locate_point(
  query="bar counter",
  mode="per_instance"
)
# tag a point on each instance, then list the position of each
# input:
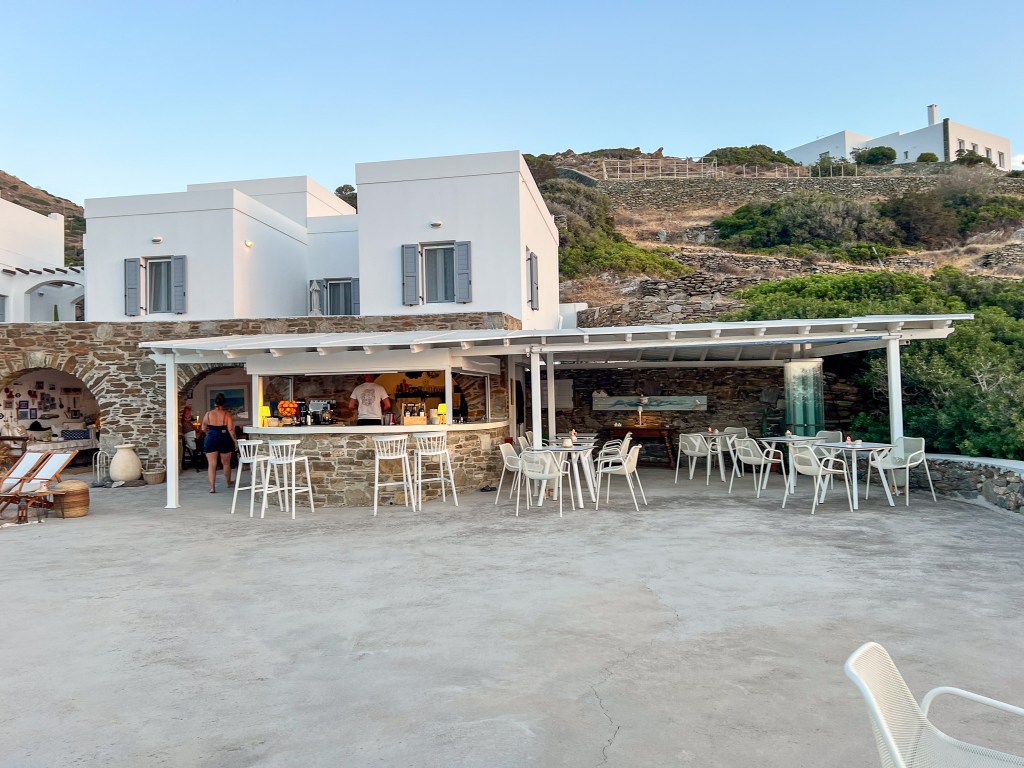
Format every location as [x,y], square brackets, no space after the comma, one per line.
[341,459]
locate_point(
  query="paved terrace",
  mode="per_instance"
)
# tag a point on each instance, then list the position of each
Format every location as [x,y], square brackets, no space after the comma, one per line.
[707,630]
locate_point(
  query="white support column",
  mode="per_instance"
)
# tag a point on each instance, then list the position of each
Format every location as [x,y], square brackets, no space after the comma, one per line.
[892,359]
[487,397]
[535,397]
[449,391]
[173,439]
[549,364]
[257,400]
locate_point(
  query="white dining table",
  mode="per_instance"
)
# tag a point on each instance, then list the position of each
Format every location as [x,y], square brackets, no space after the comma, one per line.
[854,449]
[579,454]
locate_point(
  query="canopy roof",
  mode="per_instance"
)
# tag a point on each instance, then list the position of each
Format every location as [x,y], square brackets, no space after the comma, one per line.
[718,343]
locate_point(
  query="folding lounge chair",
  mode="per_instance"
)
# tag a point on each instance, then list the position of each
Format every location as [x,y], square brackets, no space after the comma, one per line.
[17,475]
[47,471]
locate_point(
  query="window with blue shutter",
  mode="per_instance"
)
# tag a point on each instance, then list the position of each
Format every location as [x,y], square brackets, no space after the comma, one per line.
[3,309]
[534,277]
[463,274]
[178,291]
[132,280]
[355,296]
[317,297]
[410,275]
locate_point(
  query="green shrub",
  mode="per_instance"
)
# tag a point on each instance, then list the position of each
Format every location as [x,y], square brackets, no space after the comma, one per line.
[970,158]
[541,167]
[755,154]
[588,241]
[874,156]
[927,157]
[1016,174]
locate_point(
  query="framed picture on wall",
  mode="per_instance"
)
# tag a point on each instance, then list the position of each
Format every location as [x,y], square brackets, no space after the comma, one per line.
[39,385]
[33,413]
[23,405]
[235,398]
[23,414]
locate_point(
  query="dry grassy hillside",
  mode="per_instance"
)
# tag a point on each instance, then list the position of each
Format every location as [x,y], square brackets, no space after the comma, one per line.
[17,191]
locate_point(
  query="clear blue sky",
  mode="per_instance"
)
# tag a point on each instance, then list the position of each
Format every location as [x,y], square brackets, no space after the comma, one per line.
[116,98]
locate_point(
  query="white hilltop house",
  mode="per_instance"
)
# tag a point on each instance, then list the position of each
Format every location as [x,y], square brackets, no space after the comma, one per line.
[468,233]
[35,286]
[942,137]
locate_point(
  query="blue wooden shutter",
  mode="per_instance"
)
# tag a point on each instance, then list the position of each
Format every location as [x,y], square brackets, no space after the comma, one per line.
[178,291]
[132,273]
[463,274]
[3,309]
[534,275]
[410,275]
[355,295]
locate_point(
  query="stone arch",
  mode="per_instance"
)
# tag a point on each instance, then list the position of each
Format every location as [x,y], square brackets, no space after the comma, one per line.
[191,374]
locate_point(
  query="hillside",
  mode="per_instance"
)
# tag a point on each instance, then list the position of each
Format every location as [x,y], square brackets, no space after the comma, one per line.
[17,191]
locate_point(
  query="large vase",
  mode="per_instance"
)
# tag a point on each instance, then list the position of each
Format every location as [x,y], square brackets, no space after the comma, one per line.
[125,465]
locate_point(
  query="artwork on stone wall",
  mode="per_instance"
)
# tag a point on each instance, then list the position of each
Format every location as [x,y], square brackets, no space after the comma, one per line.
[651,403]
[234,398]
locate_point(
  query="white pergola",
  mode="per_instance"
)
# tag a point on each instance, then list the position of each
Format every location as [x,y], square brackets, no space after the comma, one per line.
[759,343]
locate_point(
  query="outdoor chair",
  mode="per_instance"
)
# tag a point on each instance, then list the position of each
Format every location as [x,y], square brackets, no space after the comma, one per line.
[828,436]
[21,470]
[618,466]
[907,453]
[510,463]
[249,457]
[734,434]
[807,462]
[393,448]
[428,446]
[695,447]
[904,735]
[524,443]
[618,448]
[36,480]
[760,459]
[540,466]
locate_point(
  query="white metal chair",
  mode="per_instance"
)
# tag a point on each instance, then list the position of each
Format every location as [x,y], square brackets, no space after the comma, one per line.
[618,447]
[904,735]
[807,462]
[430,445]
[749,451]
[392,448]
[510,463]
[541,467]
[283,459]
[733,434]
[906,453]
[529,436]
[827,436]
[695,446]
[249,456]
[625,467]
[524,444]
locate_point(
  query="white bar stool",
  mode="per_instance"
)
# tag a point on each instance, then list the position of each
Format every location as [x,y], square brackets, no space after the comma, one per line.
[248,456]
[282,454]
[430,444]
[392,448]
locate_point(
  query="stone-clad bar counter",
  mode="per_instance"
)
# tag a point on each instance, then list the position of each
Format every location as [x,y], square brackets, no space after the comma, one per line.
[341,459]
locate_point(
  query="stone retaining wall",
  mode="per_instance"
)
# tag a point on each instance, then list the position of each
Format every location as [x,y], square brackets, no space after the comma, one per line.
[695,193]
[1001,486]
[129,387]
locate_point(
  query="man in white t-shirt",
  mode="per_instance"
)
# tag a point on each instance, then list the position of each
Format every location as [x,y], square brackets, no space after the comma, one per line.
[371,400]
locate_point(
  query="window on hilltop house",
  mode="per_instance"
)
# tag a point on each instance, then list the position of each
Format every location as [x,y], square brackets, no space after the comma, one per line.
[534,280]
[1002,160]
[154,285]
[988,152]
[906,155]
[974,148]
[961,145]
[436,273]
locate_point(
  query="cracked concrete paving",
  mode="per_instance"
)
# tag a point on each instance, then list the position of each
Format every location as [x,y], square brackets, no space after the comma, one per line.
[706,630]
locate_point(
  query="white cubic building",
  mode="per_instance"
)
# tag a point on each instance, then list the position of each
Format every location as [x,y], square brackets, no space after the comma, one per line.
[35,286]
[468,233]
[942,137]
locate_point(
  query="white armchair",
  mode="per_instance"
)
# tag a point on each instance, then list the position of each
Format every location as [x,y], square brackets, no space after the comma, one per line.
[904,735]
[694,447]
[620,466]
[510,463]
[807,462]
[748,451]
[543,467]
[906,453]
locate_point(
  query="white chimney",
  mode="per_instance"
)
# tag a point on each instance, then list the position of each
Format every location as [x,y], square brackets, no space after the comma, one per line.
[933,114]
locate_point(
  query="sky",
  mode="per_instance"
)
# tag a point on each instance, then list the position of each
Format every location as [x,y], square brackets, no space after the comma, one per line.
[122,98]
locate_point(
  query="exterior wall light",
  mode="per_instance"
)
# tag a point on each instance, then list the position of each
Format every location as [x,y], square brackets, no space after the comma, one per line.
[436,224]
[248,243]
[157,239]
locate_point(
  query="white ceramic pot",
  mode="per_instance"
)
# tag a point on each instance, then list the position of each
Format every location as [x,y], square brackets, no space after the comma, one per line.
[125,465]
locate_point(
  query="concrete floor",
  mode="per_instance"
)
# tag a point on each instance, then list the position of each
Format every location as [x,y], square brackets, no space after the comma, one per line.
[707,630]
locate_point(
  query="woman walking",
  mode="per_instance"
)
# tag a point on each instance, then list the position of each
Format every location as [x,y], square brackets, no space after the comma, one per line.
[220,441]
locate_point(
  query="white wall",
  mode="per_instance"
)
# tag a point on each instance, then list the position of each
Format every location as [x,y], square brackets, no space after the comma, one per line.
[983,140]
[41,299]
[225,279]
[297,197]
[476,197]
[28,239]
[909,145]
[537,233]
[333,247]
[838,145]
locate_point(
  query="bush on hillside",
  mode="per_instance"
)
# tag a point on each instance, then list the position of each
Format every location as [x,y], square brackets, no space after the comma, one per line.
[874,156]
[588,241]
[541,167]
[755,154]
[807,218]
[830,166]
[964,394]
[927,157]
[347,193]
[970,158]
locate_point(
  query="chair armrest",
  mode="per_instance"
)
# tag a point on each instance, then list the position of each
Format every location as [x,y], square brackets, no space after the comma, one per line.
[935,692]
[829,462]
[773,454]
[914,458]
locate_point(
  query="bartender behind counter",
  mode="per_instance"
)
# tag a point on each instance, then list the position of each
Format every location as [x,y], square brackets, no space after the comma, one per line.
[369,397]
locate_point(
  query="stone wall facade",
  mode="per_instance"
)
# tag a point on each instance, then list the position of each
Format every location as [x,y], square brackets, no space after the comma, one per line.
[129,387]
[696,193]
[1000,486]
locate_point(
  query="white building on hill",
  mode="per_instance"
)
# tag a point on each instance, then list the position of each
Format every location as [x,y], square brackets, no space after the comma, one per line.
[35,286]
[468,233]
[941,137]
